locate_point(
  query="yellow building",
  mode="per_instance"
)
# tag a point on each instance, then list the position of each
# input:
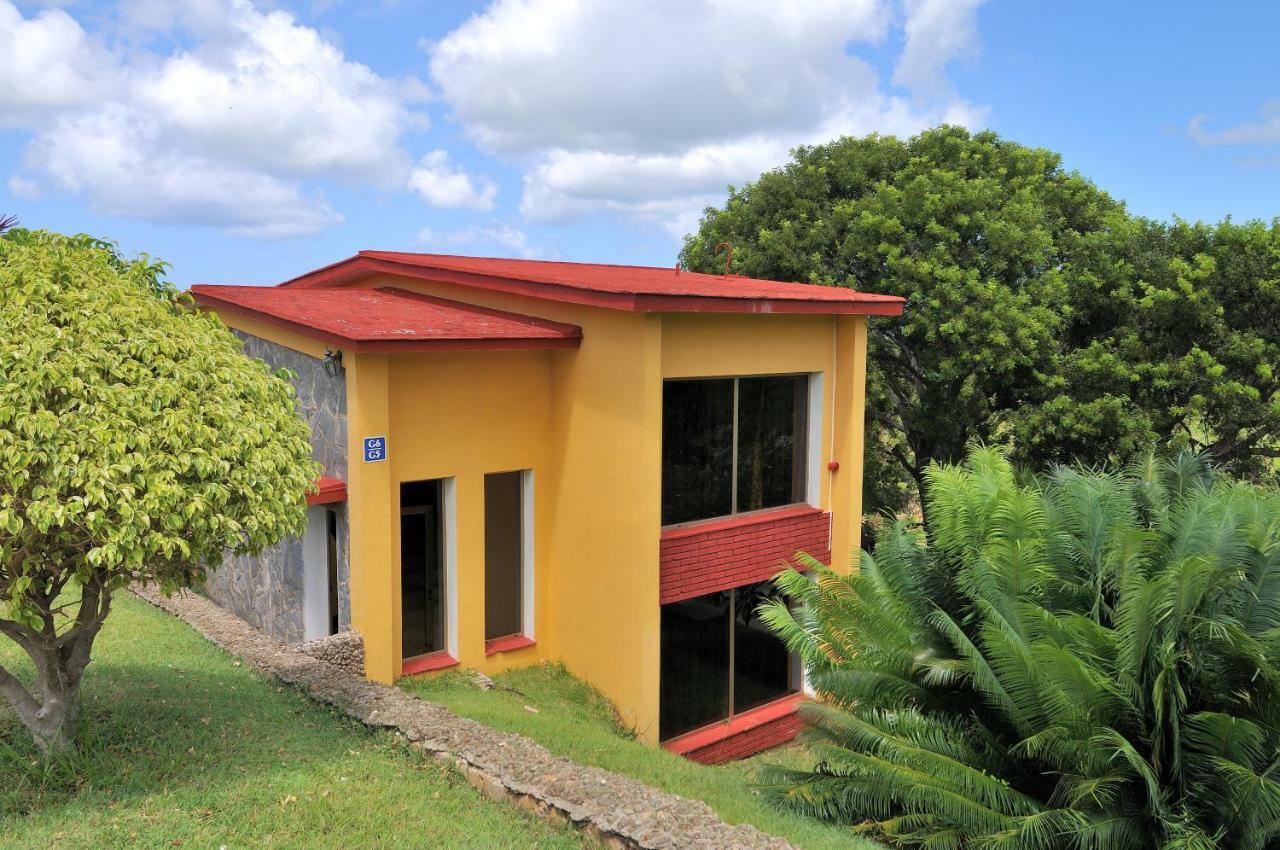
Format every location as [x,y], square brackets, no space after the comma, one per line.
[596,465]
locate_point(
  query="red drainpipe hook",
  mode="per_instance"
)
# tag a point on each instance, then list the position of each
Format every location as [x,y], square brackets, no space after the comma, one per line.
[728,259]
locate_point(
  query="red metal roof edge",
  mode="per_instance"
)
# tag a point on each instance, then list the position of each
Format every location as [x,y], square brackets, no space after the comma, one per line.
[367,263]
[206,295]
[328,491]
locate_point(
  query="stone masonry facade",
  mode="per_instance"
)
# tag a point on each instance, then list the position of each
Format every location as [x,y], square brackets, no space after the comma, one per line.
[266,590]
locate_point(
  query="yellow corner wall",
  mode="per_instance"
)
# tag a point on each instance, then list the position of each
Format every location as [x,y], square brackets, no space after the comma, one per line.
[711,344]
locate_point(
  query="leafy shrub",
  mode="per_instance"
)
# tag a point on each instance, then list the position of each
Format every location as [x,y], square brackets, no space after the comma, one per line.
[1085,660]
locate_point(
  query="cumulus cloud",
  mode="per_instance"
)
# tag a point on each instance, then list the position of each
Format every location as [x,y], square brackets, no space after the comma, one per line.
[441,185]
[1264,130]
[937,33]
[222,132]
[533,74]
[650,110]
[47,63]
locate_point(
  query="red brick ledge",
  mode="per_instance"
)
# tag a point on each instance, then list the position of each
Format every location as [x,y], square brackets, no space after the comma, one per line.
[715,555]
[743,735]
[510,643]
[427,663]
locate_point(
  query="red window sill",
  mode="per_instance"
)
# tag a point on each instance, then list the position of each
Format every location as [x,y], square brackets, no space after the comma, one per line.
[507,644]
[689,529]
[744,722]
[427,663]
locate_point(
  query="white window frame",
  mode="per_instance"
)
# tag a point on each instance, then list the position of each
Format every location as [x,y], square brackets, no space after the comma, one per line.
[526,554]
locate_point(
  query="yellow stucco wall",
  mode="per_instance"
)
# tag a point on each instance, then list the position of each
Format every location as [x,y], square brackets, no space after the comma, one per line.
[589,422]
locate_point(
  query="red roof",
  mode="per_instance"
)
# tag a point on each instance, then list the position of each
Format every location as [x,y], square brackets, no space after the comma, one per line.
[637,288]
[388,319]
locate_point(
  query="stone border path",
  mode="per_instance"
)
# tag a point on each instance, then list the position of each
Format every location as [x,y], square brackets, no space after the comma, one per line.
[617,810]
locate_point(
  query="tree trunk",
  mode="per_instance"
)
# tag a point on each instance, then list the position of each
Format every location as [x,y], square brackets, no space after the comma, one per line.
[51,709]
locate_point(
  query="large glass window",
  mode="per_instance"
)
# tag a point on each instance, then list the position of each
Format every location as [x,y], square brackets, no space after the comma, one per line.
[719,659]
[732,445]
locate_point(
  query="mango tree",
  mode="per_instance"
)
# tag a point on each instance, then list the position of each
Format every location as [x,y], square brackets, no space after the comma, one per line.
[137,443]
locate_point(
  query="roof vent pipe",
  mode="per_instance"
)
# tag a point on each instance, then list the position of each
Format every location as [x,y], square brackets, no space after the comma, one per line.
[728,258]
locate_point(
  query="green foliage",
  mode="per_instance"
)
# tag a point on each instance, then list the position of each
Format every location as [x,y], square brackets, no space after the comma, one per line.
[1037,307]
[1081,661]
[136,442]
[1176,341]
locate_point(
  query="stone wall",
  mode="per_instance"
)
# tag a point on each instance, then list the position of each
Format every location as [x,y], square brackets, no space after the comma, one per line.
[266,590]
[345,650]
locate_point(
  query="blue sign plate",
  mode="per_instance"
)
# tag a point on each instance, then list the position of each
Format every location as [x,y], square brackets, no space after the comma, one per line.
[375,448]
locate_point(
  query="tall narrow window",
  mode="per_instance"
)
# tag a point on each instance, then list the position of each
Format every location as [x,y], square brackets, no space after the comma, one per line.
[504,554]
[422,568]
[732,444]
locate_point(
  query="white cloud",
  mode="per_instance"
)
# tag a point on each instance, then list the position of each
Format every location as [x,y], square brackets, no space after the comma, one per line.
[441,185]
[122,164]
[650,110]
[47,63]
[1265,130]
[937,33]
[495,238]
[23,189]
[625,76]
[225,131]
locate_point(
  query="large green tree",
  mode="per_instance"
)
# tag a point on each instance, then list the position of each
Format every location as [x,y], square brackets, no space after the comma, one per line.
[1083,660]
[137,443]
[1174,340]
[1039,311]
[985,239]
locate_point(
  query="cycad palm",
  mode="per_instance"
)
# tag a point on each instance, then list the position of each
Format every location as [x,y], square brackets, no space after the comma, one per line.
[1086,660]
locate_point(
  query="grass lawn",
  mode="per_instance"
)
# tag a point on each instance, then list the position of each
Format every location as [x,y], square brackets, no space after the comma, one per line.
[189,748]
[573,720]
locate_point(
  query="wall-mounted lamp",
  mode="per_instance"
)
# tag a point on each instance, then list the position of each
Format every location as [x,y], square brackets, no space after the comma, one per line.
[332,363]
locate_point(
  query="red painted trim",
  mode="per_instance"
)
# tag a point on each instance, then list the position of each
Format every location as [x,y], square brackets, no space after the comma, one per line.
[209,299]
[507,644]
[736,725]
[703,526]
[330,490]
[427,663]
[361,265]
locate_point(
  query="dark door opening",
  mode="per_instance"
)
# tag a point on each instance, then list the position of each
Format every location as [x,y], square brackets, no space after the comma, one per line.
[331,556]
[422,568]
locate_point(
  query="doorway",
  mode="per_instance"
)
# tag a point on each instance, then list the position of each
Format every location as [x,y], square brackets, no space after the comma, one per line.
[422,568]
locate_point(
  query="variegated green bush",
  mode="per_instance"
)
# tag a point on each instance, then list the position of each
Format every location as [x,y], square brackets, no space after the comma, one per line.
[137,442]
[1081,661]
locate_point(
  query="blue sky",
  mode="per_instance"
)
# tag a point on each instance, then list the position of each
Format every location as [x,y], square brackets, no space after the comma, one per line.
[247,142]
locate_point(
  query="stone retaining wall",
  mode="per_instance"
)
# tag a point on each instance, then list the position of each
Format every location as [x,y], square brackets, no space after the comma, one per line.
[345,650]
[617,810]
